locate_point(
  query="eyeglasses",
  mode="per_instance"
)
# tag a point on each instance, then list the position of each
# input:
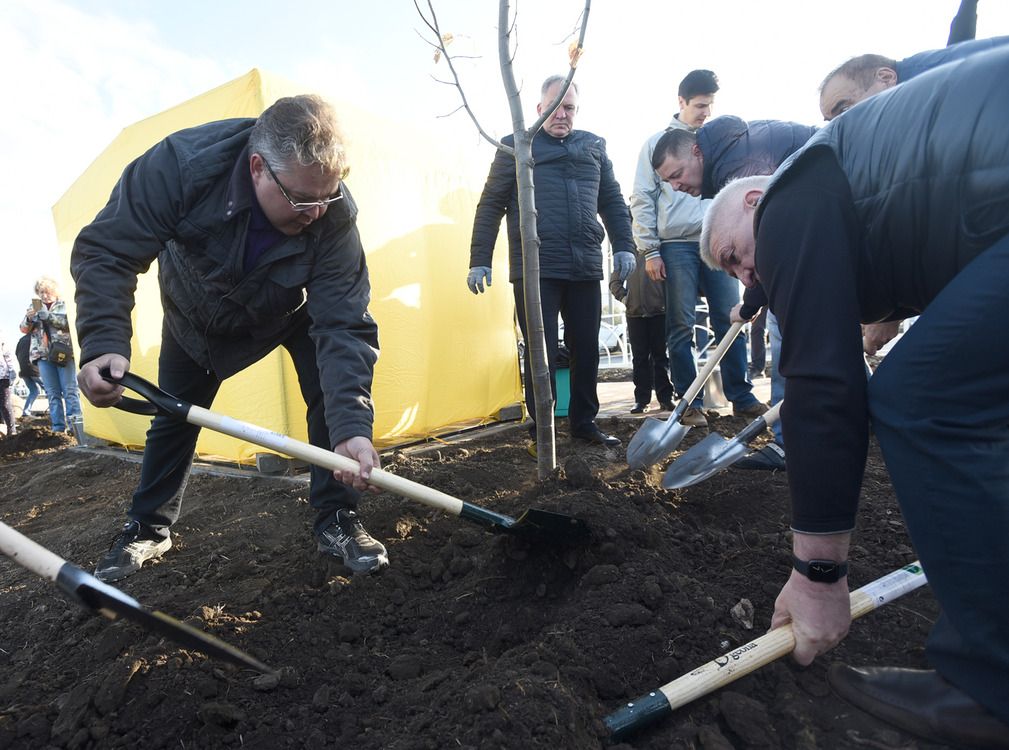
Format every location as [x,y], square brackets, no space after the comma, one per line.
[302,205]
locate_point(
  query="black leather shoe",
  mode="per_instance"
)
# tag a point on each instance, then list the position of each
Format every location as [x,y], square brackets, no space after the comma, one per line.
[919,702]
[667,406]
[639,408]
[598,437]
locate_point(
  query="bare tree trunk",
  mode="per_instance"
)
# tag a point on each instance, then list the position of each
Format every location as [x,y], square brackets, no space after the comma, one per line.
[546,449]
[523,152]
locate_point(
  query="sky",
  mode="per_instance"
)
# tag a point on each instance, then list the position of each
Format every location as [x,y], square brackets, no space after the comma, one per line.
[77,72]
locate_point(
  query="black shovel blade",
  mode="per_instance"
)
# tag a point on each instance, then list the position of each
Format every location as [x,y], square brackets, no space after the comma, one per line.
[109,601]
[532,524]
[546,524]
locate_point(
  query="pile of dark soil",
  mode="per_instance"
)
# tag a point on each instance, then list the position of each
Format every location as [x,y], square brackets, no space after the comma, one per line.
[470,640]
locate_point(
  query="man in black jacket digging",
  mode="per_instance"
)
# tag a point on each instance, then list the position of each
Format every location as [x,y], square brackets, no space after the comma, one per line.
[574,183]
[894,209]
[257,247]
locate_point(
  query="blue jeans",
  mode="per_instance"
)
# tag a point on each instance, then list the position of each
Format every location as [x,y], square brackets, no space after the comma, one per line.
[686,276]
[32,384]
[61,390]
[777,381]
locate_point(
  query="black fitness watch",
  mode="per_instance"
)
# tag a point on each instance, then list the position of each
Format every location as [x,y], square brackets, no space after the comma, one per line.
[821,571]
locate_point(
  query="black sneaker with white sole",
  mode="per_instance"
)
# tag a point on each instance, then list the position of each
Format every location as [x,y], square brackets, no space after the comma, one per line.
[135,545]
[347,539]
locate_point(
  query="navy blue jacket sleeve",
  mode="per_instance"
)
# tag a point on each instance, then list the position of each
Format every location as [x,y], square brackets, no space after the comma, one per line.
[498,193]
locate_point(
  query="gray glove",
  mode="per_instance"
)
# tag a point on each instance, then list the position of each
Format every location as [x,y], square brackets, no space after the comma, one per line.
[623,264]
[43,313]
[476,277]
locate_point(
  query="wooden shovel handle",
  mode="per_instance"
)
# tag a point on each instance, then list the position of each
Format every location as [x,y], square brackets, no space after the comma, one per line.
[751,656]
[29,554]
[320,457]
[713,359]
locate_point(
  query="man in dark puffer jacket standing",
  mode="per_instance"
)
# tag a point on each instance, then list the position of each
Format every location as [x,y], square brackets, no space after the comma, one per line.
[574,183]
[898,207]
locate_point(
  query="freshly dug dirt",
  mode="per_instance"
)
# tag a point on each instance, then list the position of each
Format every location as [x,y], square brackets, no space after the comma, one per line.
[470,640]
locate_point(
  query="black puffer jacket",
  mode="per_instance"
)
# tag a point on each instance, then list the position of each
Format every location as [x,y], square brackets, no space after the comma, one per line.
[735,148]
[186,202]
[574,183]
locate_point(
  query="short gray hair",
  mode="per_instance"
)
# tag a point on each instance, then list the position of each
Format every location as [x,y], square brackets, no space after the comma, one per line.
[728,198]
[554,80]
[300,130]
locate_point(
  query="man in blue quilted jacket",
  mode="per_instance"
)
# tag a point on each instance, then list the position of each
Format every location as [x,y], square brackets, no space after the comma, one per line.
[574,184]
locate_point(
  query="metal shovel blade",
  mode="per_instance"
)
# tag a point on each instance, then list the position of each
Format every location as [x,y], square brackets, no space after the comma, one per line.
[655,440]
[715,453]
[113,604]
[703,460]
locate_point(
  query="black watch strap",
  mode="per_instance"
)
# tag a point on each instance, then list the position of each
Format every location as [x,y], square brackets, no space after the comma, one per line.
[821,571]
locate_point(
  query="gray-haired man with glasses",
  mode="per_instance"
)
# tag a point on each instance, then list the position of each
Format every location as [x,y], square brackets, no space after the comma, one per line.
[257,247]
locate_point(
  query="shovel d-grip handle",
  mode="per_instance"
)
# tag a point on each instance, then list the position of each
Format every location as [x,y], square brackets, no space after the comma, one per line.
[156,400]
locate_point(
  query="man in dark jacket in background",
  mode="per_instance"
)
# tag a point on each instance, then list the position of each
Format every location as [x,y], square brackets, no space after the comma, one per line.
[257,247]
[574,183]
[866,224]
[644,301]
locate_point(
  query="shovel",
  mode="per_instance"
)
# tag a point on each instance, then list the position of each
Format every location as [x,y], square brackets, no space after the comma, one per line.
[657,439]
[87,591]
[750,656]
[715,453]
[533,524]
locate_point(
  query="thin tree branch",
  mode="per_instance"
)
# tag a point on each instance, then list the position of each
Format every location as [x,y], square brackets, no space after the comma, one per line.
[436,29]
[547,111]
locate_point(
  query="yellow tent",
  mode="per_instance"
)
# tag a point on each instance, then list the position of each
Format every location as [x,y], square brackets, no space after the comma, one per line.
[448,358]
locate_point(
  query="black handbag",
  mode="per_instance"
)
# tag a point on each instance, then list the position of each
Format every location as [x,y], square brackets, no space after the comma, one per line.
[59,352]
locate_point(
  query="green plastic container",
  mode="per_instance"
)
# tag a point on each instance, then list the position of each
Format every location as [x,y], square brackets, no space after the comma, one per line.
[563,379]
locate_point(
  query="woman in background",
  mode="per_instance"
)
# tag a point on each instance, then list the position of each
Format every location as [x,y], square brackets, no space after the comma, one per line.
[46,321]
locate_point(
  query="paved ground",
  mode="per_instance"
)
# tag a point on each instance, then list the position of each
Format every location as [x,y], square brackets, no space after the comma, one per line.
[616,399]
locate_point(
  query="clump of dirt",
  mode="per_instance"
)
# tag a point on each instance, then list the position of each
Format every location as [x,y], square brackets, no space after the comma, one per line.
[32,438]
[469,640]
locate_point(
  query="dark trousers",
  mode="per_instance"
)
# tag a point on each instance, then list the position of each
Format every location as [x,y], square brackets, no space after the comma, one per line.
[647,337]
[168,452]
[940,409]
[579,304]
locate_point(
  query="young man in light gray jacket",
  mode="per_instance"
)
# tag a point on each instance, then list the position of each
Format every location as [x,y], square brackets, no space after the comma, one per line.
[667,227]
